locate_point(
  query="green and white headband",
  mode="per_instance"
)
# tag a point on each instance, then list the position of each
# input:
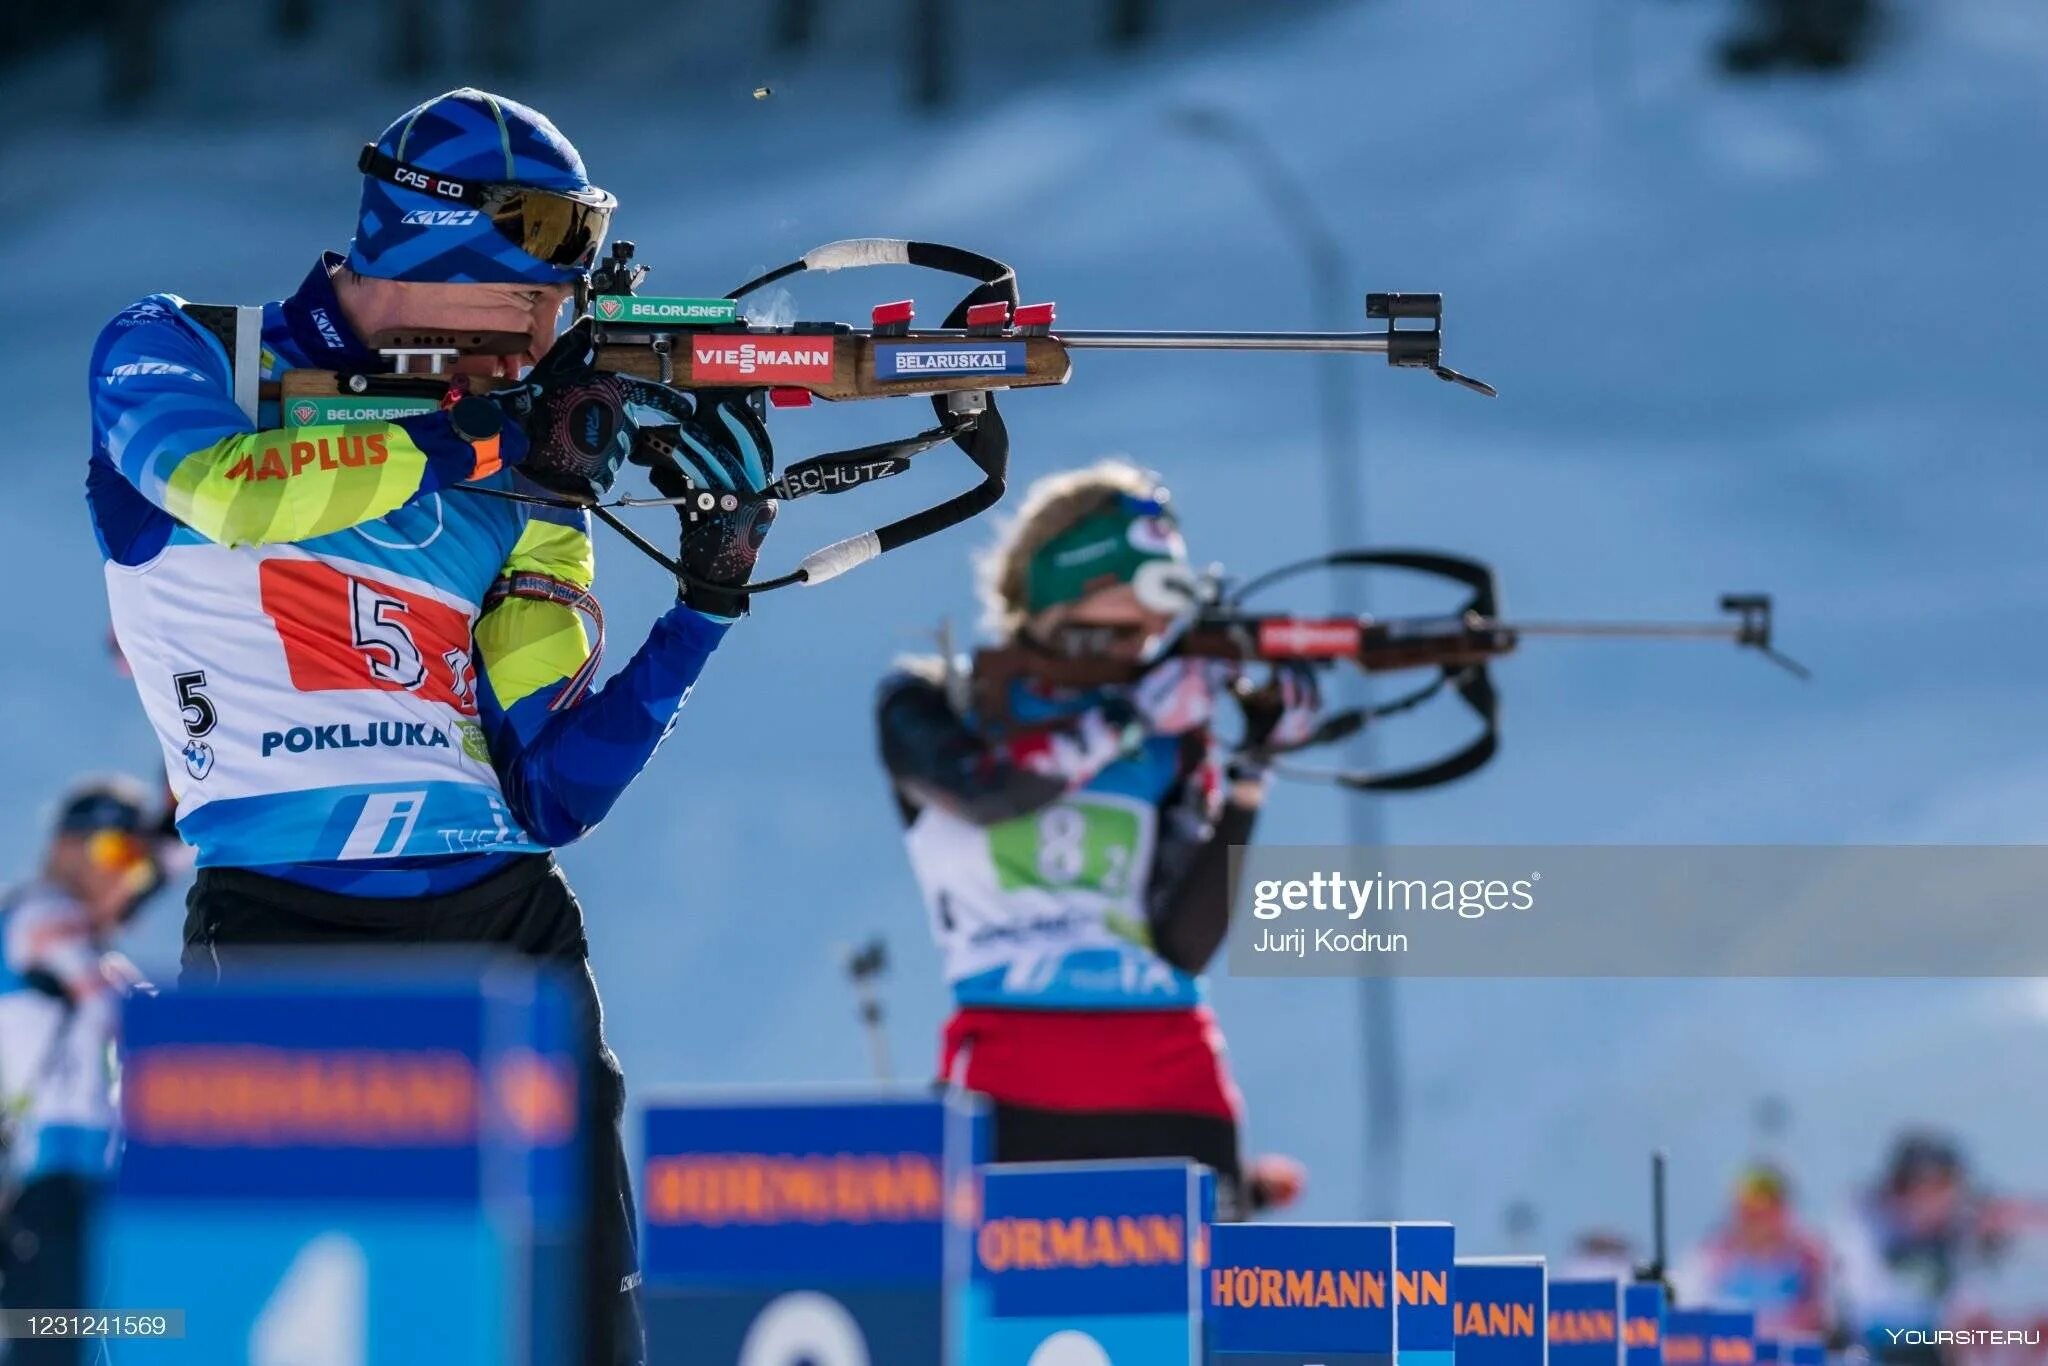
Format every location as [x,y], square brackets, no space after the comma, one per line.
[1120,544]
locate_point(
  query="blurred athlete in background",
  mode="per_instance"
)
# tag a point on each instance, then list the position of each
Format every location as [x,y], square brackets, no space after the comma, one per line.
[60,990]
[1073,856]
[1761,1257]
[373,689]
[1912,1240]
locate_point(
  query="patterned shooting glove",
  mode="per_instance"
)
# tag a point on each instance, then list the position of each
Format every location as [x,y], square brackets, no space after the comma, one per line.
[575,418]
[717,460]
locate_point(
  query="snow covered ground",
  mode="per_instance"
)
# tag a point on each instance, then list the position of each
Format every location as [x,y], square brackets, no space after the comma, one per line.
[1781,336]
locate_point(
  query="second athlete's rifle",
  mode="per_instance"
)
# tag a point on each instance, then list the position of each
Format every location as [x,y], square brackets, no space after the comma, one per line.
[1457,645]
[989,341]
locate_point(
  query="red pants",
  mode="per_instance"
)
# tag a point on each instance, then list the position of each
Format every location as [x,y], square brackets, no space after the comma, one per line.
[1128,1060]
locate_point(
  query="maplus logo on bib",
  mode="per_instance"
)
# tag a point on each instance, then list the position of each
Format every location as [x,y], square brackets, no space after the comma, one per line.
[285,460]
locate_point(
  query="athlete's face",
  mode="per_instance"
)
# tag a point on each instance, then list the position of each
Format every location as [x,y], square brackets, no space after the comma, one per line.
[103,871]
[1930,1203]
[1110,623]
[535,310]
[1760,1219]
[530,311]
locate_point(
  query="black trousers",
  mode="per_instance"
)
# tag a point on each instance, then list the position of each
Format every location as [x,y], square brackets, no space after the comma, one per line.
[233,916]
[1025,1134]
[43,1240]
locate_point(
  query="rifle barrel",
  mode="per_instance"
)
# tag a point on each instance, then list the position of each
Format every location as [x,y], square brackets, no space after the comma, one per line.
[1375,342]
[1228,341]
[1713,630]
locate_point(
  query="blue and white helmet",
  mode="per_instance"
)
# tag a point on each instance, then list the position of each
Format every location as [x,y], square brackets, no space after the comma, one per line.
[473,188]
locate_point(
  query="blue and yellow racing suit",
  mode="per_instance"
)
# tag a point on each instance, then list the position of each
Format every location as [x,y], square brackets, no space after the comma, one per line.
[310,617]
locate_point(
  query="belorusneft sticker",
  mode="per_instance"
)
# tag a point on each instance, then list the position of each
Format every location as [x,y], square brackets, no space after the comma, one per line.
[926,360]
[312,412]
[643,308]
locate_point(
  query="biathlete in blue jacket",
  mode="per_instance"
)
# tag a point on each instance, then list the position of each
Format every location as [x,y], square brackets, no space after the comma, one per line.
[373,690]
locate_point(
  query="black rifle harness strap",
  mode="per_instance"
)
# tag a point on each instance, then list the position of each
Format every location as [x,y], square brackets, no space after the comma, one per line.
[1471,681]
[975,426]
[980,432]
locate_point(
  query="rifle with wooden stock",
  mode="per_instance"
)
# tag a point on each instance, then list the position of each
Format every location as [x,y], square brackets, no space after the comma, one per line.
[989,341]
